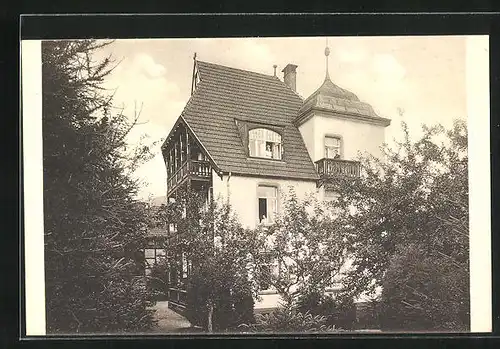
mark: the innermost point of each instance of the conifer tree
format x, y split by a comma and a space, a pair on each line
94, 226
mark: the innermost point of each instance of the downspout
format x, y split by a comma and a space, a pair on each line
228, 187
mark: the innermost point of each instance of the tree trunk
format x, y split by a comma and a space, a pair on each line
210, 315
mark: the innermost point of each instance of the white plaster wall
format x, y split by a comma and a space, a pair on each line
267, 301
219, 186
307, 132
243, 193
357, 136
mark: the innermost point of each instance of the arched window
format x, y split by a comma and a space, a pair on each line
265, 143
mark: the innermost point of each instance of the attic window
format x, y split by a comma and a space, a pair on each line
265, 143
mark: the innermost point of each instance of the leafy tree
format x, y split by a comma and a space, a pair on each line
409, 222
94, 226
308, 244
220, 290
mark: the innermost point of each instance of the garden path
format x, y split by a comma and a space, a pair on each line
169, 321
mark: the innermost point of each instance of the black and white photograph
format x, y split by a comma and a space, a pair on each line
283, 185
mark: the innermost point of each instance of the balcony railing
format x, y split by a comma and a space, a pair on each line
330, 168
197, 169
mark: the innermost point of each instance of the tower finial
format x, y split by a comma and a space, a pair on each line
327, 53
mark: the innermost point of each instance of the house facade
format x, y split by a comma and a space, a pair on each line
248, 138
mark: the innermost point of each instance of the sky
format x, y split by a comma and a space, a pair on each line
419, 79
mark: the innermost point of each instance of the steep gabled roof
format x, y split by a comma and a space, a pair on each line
224, 95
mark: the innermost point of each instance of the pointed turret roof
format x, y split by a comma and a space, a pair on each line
333, 98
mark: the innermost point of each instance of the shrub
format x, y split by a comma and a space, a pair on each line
158, 281
288, 319
340, 313
197, 299
243, 309
424, 293
368, 315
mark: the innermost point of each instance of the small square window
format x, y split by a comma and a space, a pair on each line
333, 147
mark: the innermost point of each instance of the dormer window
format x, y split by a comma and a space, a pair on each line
265, 143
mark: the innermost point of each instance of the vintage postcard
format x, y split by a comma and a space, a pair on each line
333, 185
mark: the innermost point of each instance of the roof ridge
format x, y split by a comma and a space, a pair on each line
239, 69
288, 87
272, 77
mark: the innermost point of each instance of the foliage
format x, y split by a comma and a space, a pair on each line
339, 312
287, 318
368, 314
157, 281
308, 245
409, 222
423, 292
231, 307
94, 226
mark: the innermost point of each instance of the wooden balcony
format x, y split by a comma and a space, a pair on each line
194, 169
334, 168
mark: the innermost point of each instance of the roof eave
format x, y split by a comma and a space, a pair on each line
306, 114
180, 120
249, 174
167, 140
214, 164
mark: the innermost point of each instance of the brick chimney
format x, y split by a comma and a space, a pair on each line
290, 76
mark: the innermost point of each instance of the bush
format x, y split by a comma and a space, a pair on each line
158, 281
288, 319
197, 297
368, 315
243, 309
424, 293
340, 313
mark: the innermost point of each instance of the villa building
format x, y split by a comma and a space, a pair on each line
247, 137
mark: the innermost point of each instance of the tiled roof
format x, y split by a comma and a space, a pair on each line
334, 98
224, 95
